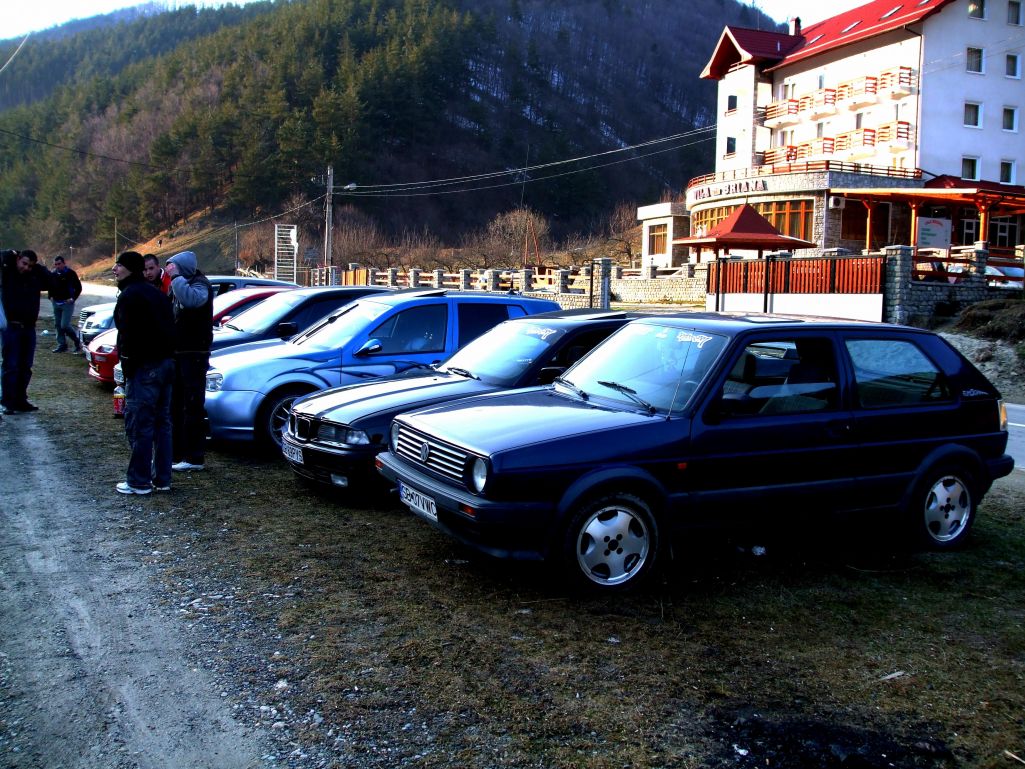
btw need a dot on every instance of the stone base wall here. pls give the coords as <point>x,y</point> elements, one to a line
<point>688,290</point>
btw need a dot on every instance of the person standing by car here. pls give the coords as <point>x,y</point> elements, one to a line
<point>23,280</point>
<point>65,288</point>
<point>155,275</point>
<point>193,300</point>
<point>145,340</point>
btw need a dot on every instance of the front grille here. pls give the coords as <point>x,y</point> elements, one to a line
<point>82,316</point>
<point>443,458</point>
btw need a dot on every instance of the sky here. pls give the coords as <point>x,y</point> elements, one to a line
<point>18,17</point>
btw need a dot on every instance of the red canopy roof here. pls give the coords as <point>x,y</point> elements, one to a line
<point>744,228</point>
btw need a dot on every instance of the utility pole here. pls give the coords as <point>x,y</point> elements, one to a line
<point>115,237</point>
<point>327,216</point>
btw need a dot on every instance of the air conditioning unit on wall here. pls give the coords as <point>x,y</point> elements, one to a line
<point>835,201</point>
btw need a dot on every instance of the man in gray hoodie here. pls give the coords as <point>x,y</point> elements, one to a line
<point>193,300</point>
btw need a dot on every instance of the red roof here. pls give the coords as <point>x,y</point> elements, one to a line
<point>749,46</point>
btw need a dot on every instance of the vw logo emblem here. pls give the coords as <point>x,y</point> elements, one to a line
<point>425,452</point>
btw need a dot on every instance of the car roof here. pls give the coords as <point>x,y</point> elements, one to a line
<point>305,291</point>
<point>247,281</point>
<point>738,323</point>
<point>403,296</point>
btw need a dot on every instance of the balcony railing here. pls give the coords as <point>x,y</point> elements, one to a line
<point>856,141</point>
<point>861,90</point>
<point>896,82</point>
<point>782,111</point>
<point>774,165</point>
<point>896,135</point>
<point>820,102</point>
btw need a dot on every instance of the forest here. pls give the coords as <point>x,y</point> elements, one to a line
<point>438,117</point>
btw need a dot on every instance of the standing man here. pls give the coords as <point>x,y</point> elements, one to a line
<point>156,276</point>
<point>193,300</point>
<point>145,340</point>
<point>23,280</point>
<point>65,288</point>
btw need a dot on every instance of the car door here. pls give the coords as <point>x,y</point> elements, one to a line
<point>774,436</point>
<point>405,337</point>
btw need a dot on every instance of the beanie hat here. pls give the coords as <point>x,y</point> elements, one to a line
<point>131,261</point>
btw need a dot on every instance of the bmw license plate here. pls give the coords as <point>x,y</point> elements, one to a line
<point>417,502</point>
<point>293,453</point>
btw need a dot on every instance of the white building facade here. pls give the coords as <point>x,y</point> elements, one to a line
<point>890,95</point>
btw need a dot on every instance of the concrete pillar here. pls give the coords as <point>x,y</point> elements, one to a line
<point>650,272</point>
<point>414,277</point>
<point>602,299</point>
<point>526,280</point>
<point>439,279</point>
<point>393,276</point>
<point>465,280</point>
<point>564,276</point>
<point>491,280</point>
<point>897,294</point>
<point>371,276</point>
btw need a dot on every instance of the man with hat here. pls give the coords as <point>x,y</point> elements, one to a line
<point>145,340</point>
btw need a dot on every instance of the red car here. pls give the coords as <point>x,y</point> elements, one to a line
<point>101,353</point>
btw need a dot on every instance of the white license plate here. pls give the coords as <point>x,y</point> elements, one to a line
<point>292,452</point>
<point>417,502</point>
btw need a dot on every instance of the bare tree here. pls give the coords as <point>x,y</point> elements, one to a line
<point>516,238</point>
<point>357,238</point>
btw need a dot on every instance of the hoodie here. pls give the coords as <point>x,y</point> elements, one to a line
<point>193,298</point>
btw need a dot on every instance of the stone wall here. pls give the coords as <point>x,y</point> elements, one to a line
<point>688,289</point>
<point>912,301</point>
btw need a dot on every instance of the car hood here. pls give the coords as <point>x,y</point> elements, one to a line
<point>360,404</point>
<point>226,337</point>
<point>522,419</point>
<point>251,366</point>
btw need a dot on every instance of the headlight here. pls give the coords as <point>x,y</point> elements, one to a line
<point>394,435</point>
<point>106,349</point>
<point>342,435</point>
<point>214,381</point>
<point>479,474</point>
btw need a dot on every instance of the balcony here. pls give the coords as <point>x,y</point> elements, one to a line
<point>776,155</point>
<point>895,136</point>
<point>780,113</point>
<point>859,92</point>
<point>896,82</point>
<point>820,103</point>
<point>857,144</point>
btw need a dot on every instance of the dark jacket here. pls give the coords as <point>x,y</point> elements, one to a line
<point>145,325</point>
<point>193,298</point>
<point>65,285</point>
<point>20,293</point>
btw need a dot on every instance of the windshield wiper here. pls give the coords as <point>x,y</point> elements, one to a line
<point>233,328</point>
<point>571,386</point>
<point>629,392</point>
<point>462,372</point>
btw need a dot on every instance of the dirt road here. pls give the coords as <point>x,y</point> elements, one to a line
<point>91,674</point>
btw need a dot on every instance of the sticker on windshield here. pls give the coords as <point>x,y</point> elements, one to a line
<point>690,336</point>
<point>544,333</point>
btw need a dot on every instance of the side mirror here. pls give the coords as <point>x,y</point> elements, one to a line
<point>370,346</point>
<point>287,330</point>
<point>548,374</point>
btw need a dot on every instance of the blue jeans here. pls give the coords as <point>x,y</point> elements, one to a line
<point>148,423</point>
<point>63,317</point>
<point>19,351</point>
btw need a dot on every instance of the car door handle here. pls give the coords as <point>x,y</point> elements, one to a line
<point>839,429</point>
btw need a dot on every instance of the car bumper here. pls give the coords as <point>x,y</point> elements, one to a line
<point>231,414</point>
<point>342,468</point>
<point>1000,467</point>
<point>515,530</point>
<point>105,375</point>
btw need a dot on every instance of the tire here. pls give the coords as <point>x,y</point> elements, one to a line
<point>611,543</point>
<point>942,508</point>
<point>273,415</point>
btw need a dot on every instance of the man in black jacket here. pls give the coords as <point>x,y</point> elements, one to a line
<point>23,280</point>
<point>65,288</point>
<point>145,340</point>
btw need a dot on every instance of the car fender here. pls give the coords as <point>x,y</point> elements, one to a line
<point>292,379</point>
<point>951,452</point>
<point>622,478</point>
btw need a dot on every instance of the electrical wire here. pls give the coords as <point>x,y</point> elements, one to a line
<point>16,52</point>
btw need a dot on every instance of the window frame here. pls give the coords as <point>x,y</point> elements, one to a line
<point>1012,165</point>
<point>969,57</point>
<point>978,114</point>
<point>658,233</point>
<point>974,160</point>
<point>947,392</point>
<point>1016,73</point>
<point>1013,112</point>
<point>977,9</point>
<point>1015,18</point>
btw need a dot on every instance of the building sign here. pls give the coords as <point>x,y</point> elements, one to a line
<point>738,187</point>
<point>933,233</point>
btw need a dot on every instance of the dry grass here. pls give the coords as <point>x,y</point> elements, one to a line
<point>829,650</point>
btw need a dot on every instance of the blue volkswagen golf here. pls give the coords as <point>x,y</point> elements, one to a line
<point>694,420</point>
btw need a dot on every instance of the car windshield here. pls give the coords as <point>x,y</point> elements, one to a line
<point>501,355</point>
<point>336,329</point>
<point>266,314</point>
<point>647,365</point>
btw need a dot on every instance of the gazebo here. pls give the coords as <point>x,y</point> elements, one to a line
<point>744,229</point>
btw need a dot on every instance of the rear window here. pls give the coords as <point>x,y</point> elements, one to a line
<point>895,372</point>
<point>477,317</point>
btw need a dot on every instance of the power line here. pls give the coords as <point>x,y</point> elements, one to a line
<point>16,51</point>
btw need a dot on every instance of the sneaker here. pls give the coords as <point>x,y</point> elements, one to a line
<point>59,349</point>
<point>26,406</point>
<point>124,488</point>
<point>162,488</point>
<point>181,467</point>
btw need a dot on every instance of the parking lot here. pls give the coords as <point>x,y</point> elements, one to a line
<point>244,620</point>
